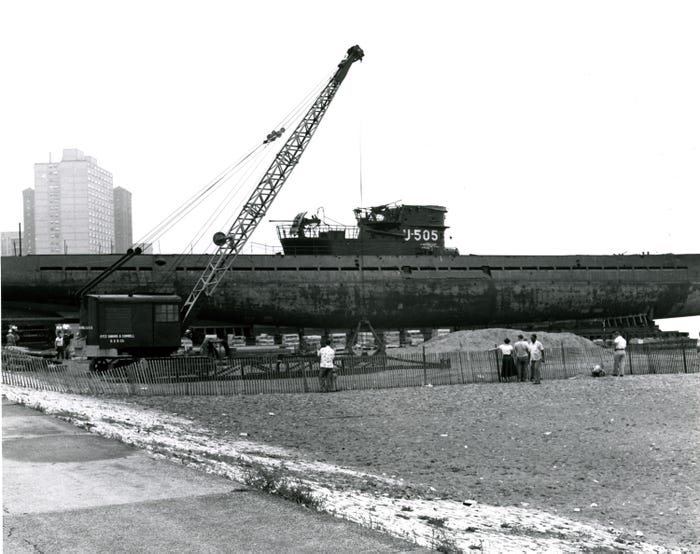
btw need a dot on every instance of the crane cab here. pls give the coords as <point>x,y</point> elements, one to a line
<point>119,327</point>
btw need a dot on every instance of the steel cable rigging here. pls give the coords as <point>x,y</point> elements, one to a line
<point>246,168</point>
<point>245,165</point>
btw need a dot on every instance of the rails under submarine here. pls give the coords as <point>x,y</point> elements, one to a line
<point>392,269</point>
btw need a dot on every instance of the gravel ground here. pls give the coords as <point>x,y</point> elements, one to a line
<point>614,451</point>
<point>481,340</point>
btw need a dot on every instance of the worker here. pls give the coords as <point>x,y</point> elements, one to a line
<point>59,344</point>
<point>12,337</point>
<point>619,354</point>
<point>67,342</point>
<point>536,359</point>
<point>186,342</point>
<point>521,349</point>
<point>326,374</point>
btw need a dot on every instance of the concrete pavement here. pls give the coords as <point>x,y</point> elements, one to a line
<point>67,490</point>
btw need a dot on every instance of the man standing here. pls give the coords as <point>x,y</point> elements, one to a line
<point>326,375</point>
<point>536,359</point>
<point>11,338</point>
<point>522,358</point>
<point>619,355</point>
<point>59,344</point>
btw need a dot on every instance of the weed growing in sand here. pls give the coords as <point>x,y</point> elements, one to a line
<point>274,481</point>
<point>436,521</point>
<point>446,545</point>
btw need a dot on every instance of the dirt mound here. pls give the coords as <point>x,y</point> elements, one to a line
<point>481,340</point>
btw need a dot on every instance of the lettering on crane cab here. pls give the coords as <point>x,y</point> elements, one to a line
<point>421,235</point>
<point>116,338</point>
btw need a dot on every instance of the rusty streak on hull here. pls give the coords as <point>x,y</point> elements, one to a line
<point>390,291</point>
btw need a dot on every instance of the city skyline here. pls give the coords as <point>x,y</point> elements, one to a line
<point>588,111</point>
<point>75,209</point>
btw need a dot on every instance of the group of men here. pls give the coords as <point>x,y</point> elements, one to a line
<point>62,343</point>
<point>529,355</point>
<point>523,359</point>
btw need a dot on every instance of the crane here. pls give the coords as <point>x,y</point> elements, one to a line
<point>230,244</point>
<point>120,327</point>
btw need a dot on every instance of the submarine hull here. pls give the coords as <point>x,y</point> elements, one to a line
<point>390,291</point>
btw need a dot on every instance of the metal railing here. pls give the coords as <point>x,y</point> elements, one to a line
<point>291,373</point>
<point>318,231</point>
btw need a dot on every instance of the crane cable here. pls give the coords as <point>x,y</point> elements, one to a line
<point>176,215</point>
<point>228,199</point>
<point>254,155</point>
<point>195,200</point>
<point>293,117</point>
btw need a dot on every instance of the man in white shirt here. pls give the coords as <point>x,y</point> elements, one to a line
<point>619,355</point>
<point>326,374</point>
<point>536,359</point>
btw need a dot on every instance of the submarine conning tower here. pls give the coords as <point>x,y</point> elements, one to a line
<point>421,226</point>
<point>390,229</point>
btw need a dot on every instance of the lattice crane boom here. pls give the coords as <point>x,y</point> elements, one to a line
<point>230,245</point>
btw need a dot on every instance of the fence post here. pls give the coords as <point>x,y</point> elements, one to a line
<point>563,359</point>
<point>303,375</point>
<point>630,358</point>
<point>425,369</point>
<point>685,363</point>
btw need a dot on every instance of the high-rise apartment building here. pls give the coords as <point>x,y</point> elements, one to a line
<point>10,243</point>
<point>28,212</point>
<point>73,207</point>
<point>122,220</point>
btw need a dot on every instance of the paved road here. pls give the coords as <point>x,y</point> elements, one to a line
<point>66,490</point>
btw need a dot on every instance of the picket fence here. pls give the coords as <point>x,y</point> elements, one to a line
<point>291,373</point>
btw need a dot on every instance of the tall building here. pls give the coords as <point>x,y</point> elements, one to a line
<point>28,244</point>
<point>122,220</point>
<point>9,243</point>
<point>73,207</point>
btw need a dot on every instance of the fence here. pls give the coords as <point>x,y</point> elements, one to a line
<point>299,373</point>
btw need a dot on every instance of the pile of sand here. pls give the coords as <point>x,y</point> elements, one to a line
<point>481,340</point>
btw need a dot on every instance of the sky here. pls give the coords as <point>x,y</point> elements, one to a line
<point>545,127</point>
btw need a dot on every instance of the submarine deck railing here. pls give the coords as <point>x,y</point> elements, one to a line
<point>294,373</point>
<point>330,232</point>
